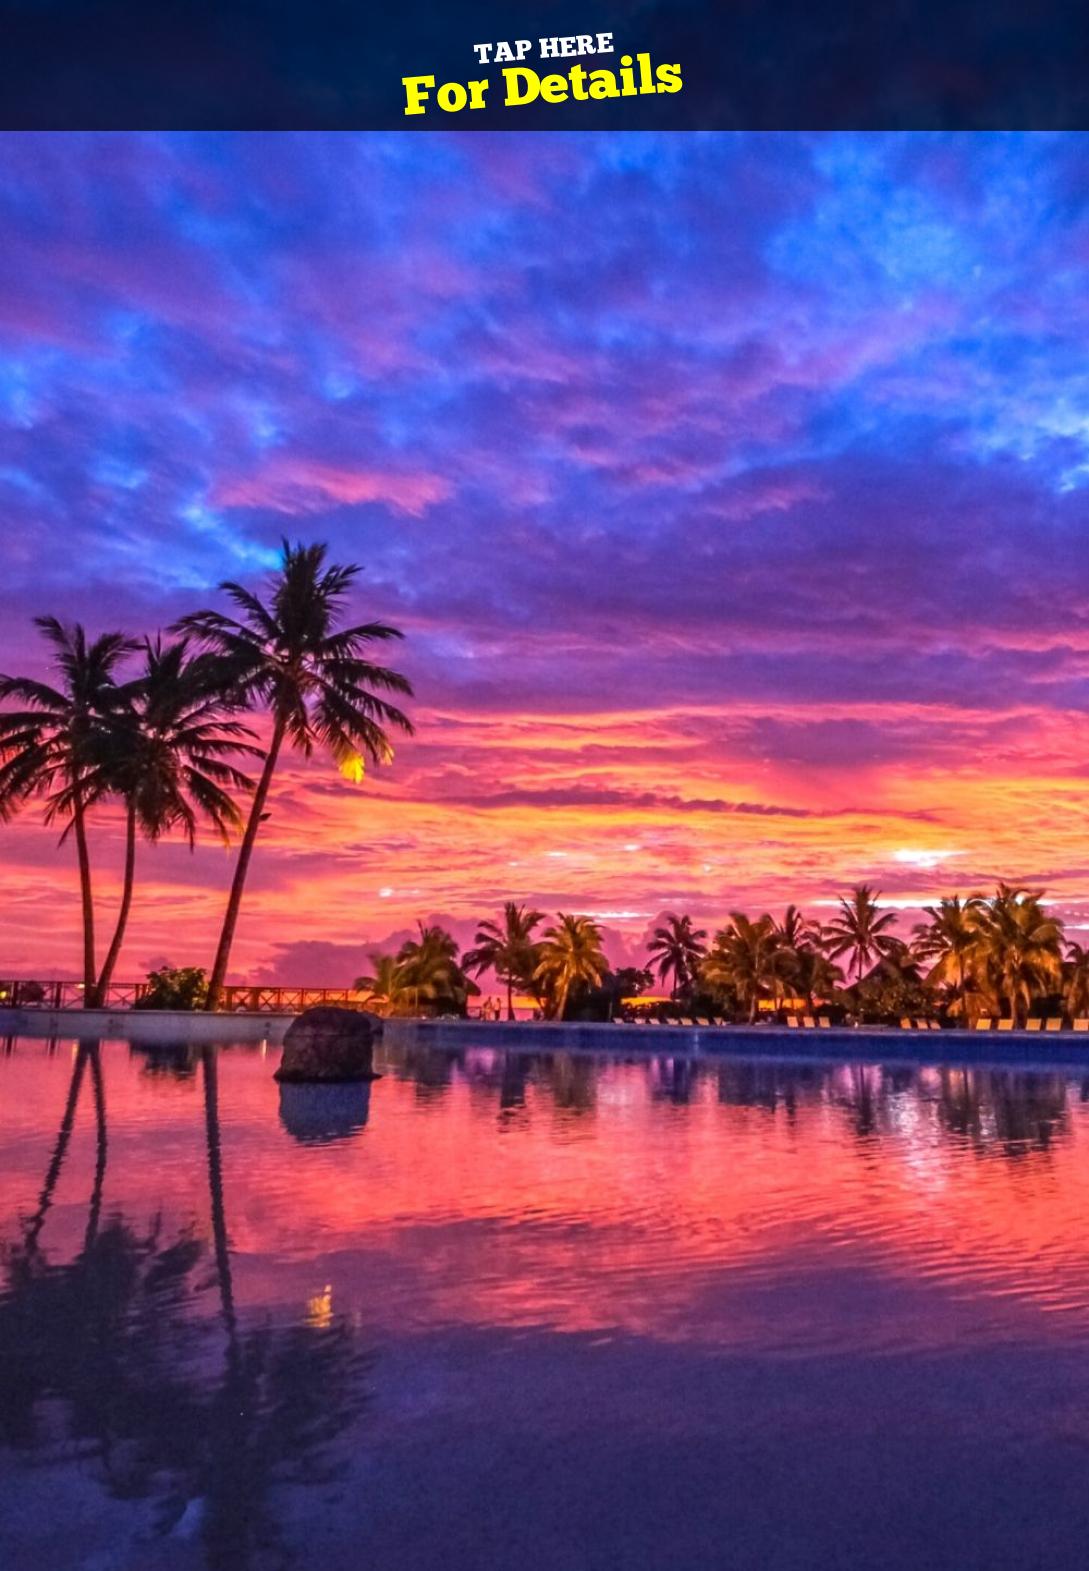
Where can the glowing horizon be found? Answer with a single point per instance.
(731, 492)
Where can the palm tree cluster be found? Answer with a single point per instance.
(970, 957)
(154, 728)
(750, 959)
(426, 972)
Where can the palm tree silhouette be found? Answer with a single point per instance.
(570, 955)
(507, 948)
(293, 656)
(678, 948)
(428, 968)
(168, 761)
(950, 937)
(1019, 954)
(861, 929)
(385, 984)
(50, 746)
(1076, 979)
(745, 957)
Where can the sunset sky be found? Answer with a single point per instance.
(732, 492)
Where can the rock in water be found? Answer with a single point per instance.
(330, 1044)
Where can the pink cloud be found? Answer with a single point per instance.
(295, 485)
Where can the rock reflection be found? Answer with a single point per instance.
(320, 1114)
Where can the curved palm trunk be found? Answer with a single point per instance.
(210, 1070)
(510, 996)
(99, 1089)
(89, 974)
(105, 976)
(64, 1135)
(238, 883)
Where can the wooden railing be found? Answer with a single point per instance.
(26, 993)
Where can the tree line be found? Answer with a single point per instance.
(159, 728)
(1001, 955)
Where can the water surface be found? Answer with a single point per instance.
(519, 1311)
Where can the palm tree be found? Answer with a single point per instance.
(950, 937)
(428, 968)
(1076, 979)
(795, 931)
(745, 957)
(50, 745)
(570, 956)
(861, 930)
(166, 759)
(797, 942)
(814, 975)
(293, 656)
(385, 985)
(676, 947)
(507, 948)
(1019, 956)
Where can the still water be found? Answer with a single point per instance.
(512, 1311)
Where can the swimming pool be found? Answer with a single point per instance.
(528, 1310)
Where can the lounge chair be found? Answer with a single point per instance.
(808, 1022)
(984, 1023)
(1005, 1025)
(1081, 1023)
(1053, 1023)
(792, 1022)
(1034, 1023)
(905, 1023)
(823, 1020)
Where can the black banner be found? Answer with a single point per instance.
(704, 64)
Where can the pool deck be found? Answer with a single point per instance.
(858, 1044)
(150, 1026)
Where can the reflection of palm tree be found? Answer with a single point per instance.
(64, 1135)
(106, 1359)
(95, 1209)
(959, 1103)
(210, 1068)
